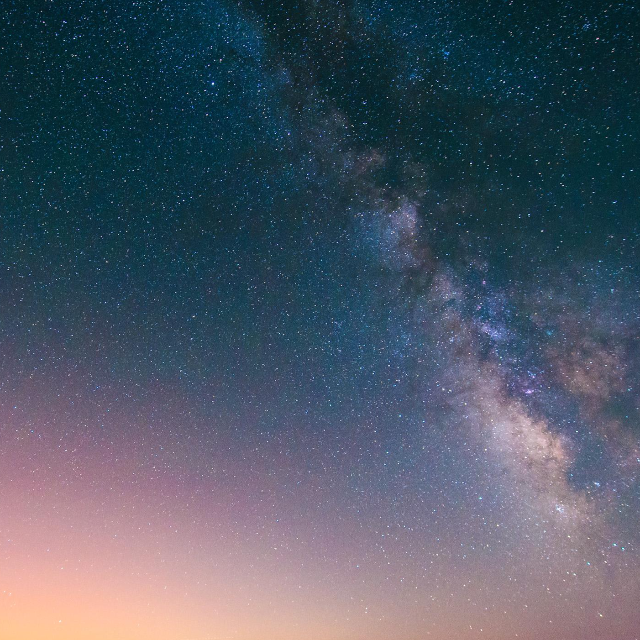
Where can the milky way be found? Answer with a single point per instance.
(319, 321)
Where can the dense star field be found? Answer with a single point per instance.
(319, 320)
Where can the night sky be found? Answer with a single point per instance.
(319, 320)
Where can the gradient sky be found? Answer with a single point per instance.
(319, 320)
